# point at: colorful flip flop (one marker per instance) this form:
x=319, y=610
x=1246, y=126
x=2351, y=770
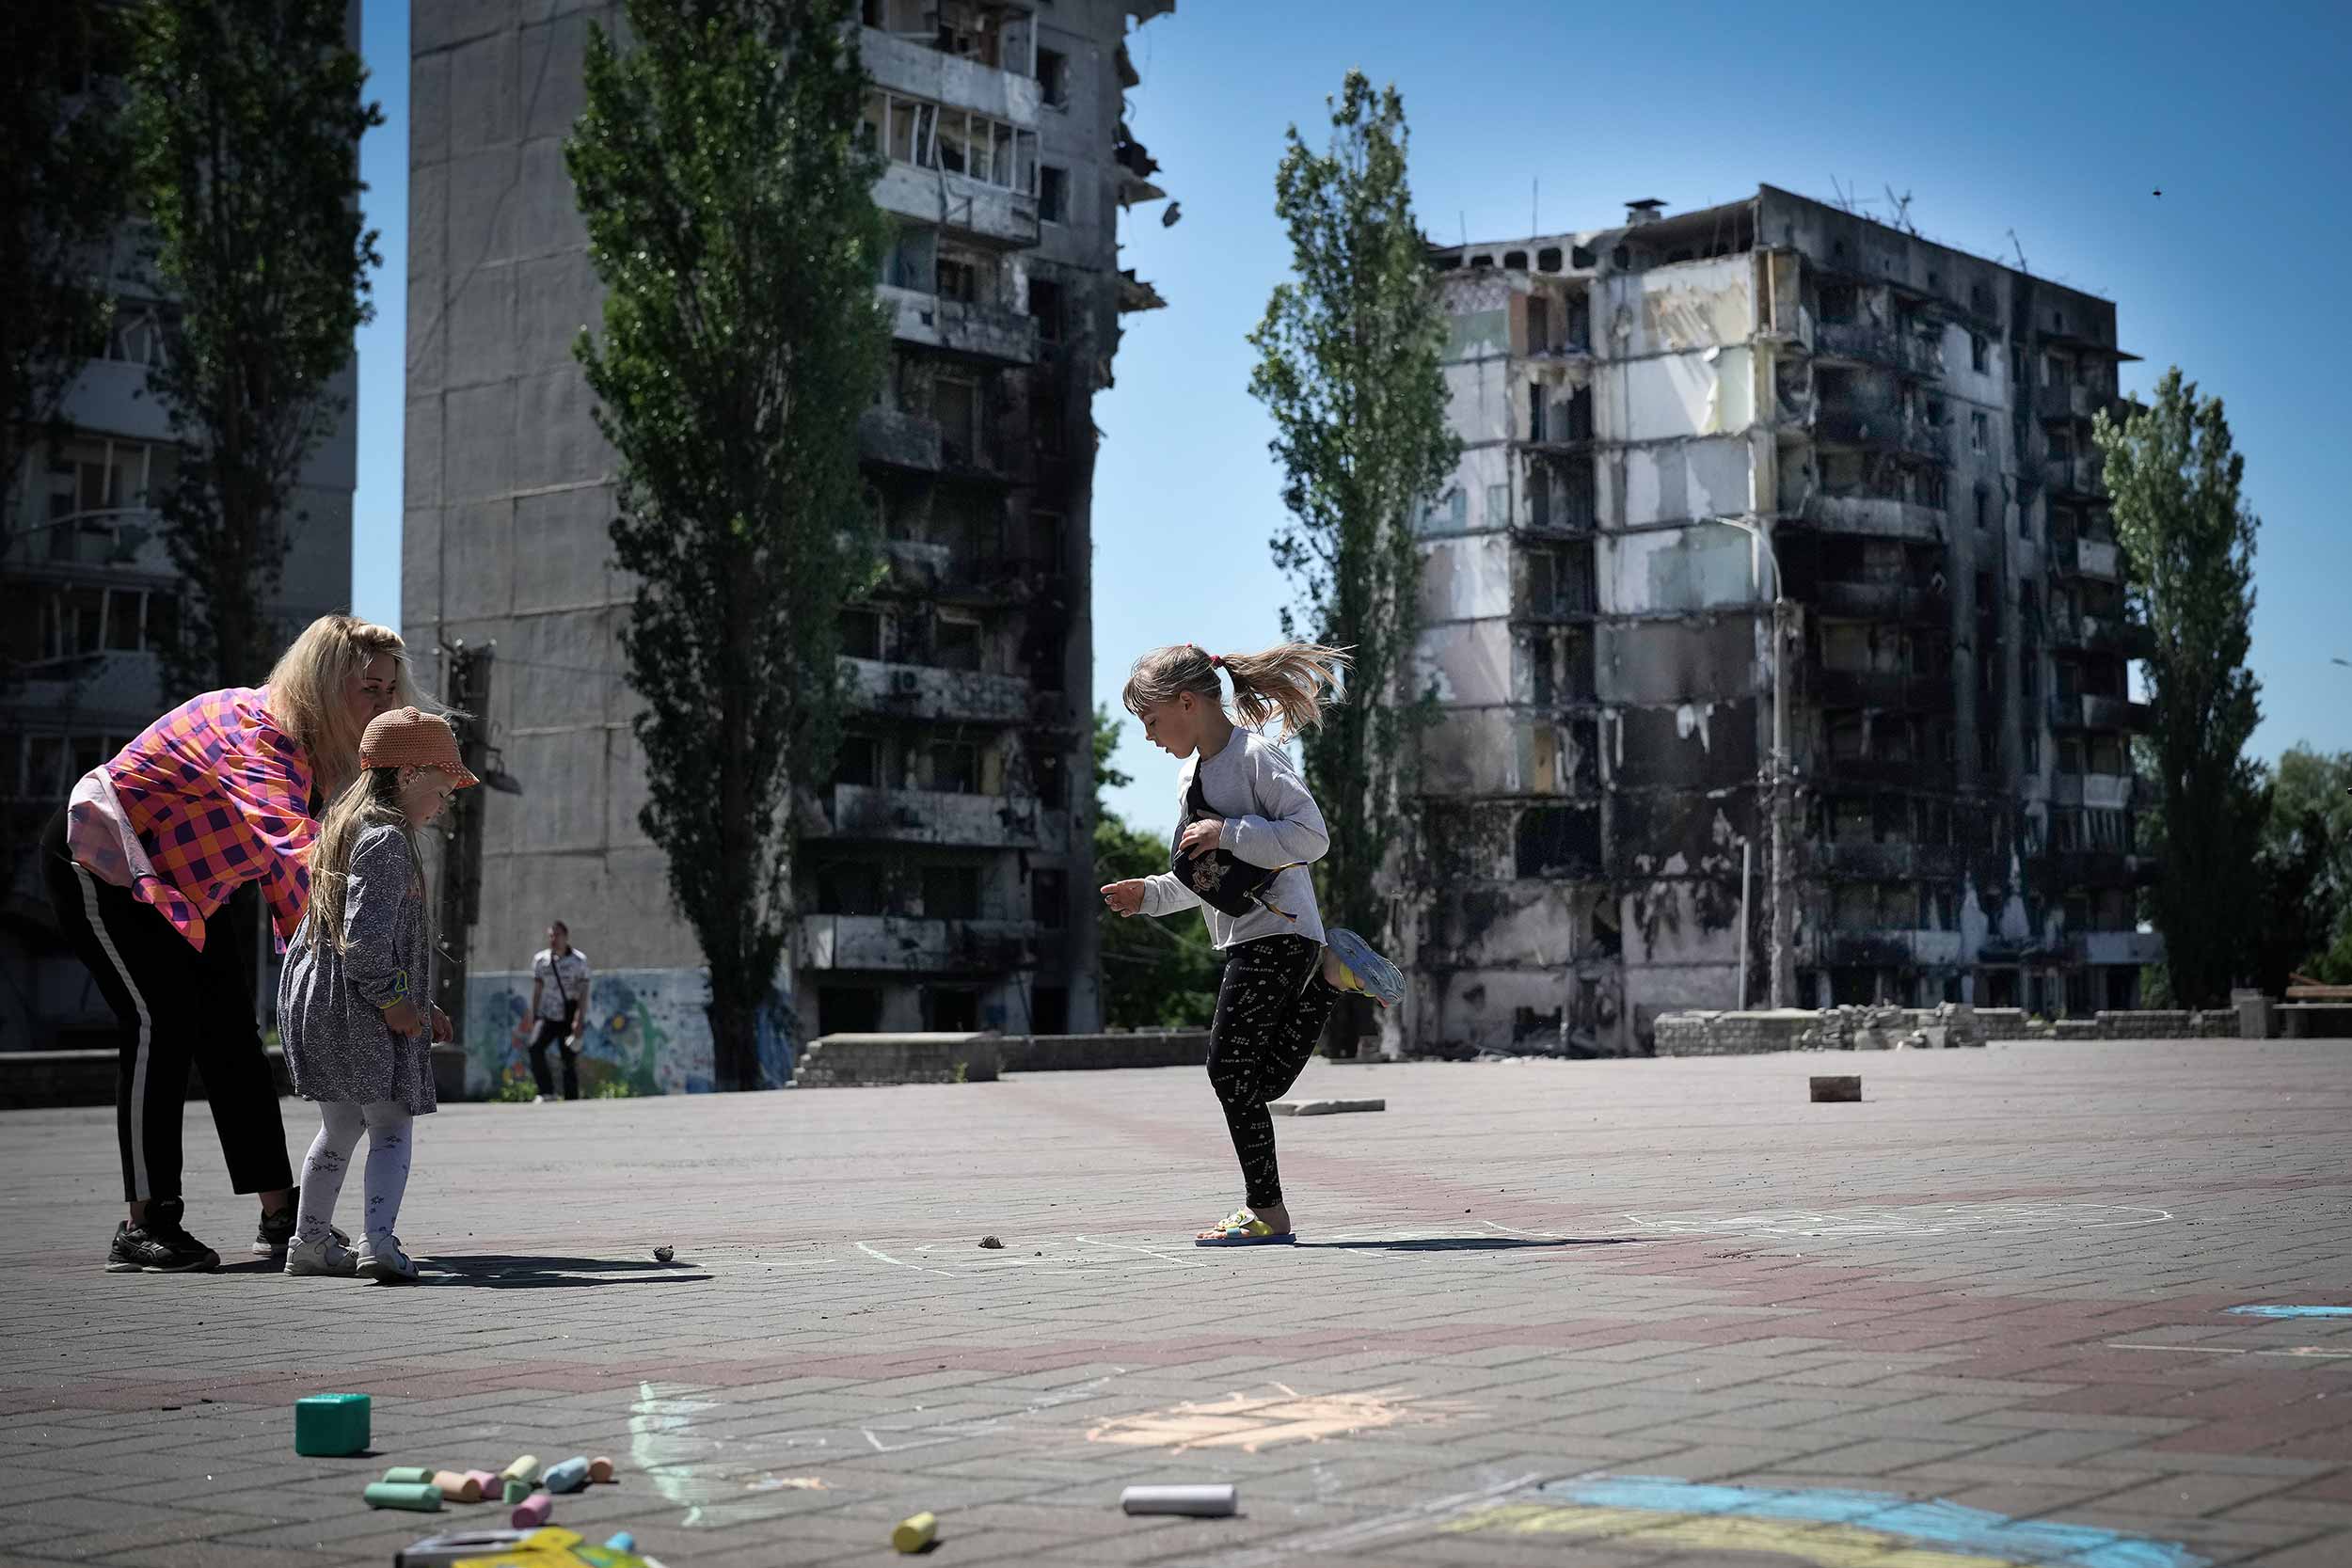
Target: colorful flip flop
x=1244, y=1228
x=1367, y=971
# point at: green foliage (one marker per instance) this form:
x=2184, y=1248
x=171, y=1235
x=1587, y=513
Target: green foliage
x=246, y=118
x=1155, y=974
x=614, y=1087
x=1349, y=369
x=2306, y=865
x=731, y=217
x=514, y=1087
x=63, y=164
x=2189, y=541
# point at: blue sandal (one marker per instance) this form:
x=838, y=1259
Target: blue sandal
x=1244, y=1228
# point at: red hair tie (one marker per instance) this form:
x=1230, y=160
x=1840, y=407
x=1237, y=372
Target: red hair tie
x=1216, y=661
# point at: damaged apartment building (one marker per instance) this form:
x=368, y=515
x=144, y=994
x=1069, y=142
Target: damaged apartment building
x=1668, y=426
x=944, y=872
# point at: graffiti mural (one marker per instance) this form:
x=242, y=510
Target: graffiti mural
x=648, y=1034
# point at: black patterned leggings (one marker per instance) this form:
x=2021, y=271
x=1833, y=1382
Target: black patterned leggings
x=1271, y=1011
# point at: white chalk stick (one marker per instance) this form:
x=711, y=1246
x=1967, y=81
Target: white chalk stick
x=1199, y=1503
x=1324, y=1107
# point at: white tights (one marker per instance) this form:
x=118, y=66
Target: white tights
x=341, y=1122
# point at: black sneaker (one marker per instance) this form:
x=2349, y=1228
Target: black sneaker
x=277, y=1230
x=158, y=1246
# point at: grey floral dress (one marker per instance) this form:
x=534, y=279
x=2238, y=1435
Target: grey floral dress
x=330, y=1005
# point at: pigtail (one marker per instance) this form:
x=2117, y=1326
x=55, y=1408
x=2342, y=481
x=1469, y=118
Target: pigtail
x=1297, y=680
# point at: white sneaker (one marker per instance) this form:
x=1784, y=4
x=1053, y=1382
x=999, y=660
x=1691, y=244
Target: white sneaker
x=543, y=1099
x=389, y=1266
x=323, y=1256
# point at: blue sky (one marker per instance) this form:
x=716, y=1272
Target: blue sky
x=2058, y=123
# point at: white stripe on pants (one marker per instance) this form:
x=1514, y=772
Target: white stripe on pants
x=147, y=1034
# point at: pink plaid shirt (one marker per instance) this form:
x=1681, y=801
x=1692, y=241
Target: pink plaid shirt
x=219, y=796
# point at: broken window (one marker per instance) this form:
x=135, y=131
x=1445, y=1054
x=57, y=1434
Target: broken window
x=1933, y=489
x=1840, y=302
x=956, y=404
x=2030, y=746
x=1581, y=414
x=849, y=887
x=1547, y=259
x=956, y=644
x=1979, y=352
x=1497, y=506
x=2106, y=755
x=1515, y=260
x=1053, y=76
x=1848, y=737
x=1979, y=433
x=860, y=634
x=1984, y=502
x=1045, y=305
x=1558, y=841
x=858, y=761
x=951, y=891
x=954, y=768
x=1538, y=324
x=1852, y=820
x=1049, y=898
x=849, y=1009
x=1052, y=195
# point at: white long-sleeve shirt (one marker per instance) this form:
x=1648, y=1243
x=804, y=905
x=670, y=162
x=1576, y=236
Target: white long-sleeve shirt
x=1270, y=820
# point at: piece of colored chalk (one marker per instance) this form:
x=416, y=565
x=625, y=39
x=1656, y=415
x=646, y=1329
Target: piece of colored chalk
x=331, y=1425
x=1200, y=1502
x=524, y=1470
x=621, y=1541
x=915, y=1535
x=415, y=1497
x=407, y=1475
x=570, y=1476
x=600, y=1469
x=517, y=1489
x=456, y=1488
x=532, y=1512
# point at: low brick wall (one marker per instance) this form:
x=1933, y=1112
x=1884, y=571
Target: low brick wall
x=2218, y=1024
x=855, y=1061
x=2005, y=1023
x=1091, y=1052
x=1729, y=1034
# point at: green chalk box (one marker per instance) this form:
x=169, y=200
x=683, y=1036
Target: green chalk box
x=331, y=1425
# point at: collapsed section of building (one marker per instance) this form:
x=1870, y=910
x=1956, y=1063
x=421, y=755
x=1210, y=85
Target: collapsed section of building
x=1776, y=594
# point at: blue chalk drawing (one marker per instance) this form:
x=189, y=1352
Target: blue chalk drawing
x=650, y=1028
x=1945, y=1525
x=2292, y=1311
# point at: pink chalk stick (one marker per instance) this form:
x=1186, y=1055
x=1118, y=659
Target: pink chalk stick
x=489, y=1485
x=533, y=1510
x=600, y=1469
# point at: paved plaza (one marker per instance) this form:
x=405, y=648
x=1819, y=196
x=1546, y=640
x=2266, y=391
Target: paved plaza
x=1637, y=1312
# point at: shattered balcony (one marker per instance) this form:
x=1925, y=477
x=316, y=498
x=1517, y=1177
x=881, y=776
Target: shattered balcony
x=1877, y=515
x=904, y=944
x=1865, y=344
x=985, y=332
x=2085, y=558
x=866, y=813
x=1882, y=691
x=2138, y=949
x=943, y=573
x=2066, y=404
x=1894, y=860
x=1883, y=600
x=2109, y=634
x=925, y=692
x=2098, y=868
x=2085, y=712
x=972, y=210
x=2103, y=791
x=2082, y=478
x=913, y=68
x=1884, y=430
x=898, y=440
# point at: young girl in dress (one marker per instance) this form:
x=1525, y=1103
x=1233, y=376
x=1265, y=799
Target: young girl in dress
x=354, y=1005
x=1243, y=802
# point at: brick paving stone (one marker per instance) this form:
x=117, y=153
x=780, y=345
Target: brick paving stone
x=2005, y=1285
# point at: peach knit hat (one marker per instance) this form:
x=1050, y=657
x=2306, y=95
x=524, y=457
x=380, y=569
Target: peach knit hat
x=409, y=738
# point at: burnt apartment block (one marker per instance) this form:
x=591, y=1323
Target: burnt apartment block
x=1904, y=430
x=943, y=874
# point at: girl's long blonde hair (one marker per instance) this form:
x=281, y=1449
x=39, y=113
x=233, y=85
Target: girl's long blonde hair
x=371, y=799
x=1297, y=680
x=308, y=692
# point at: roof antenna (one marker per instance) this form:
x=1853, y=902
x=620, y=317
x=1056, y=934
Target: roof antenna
x=1534, y=206
x=2021, y=251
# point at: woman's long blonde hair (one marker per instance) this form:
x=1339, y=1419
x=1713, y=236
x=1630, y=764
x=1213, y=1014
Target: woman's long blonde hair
x=369, y=799
x=1297, y=680
x=306, y=692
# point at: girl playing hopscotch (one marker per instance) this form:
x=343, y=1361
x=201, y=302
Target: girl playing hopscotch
x=1248, y=830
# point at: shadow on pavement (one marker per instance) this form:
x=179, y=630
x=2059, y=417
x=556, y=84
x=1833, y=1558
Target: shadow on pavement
x=502, y=1272
x=1472, y=1244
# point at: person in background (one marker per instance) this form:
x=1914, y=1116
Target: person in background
x=560, y=981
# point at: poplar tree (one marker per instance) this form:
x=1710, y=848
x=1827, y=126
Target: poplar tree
x=730, y=216
x=1349, y=368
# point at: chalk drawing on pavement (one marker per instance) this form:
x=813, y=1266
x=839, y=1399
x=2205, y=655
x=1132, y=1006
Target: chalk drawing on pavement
x=2291, y=1311
x=1902, y=1220
x=1829, y=1528
x=1251, y=1421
